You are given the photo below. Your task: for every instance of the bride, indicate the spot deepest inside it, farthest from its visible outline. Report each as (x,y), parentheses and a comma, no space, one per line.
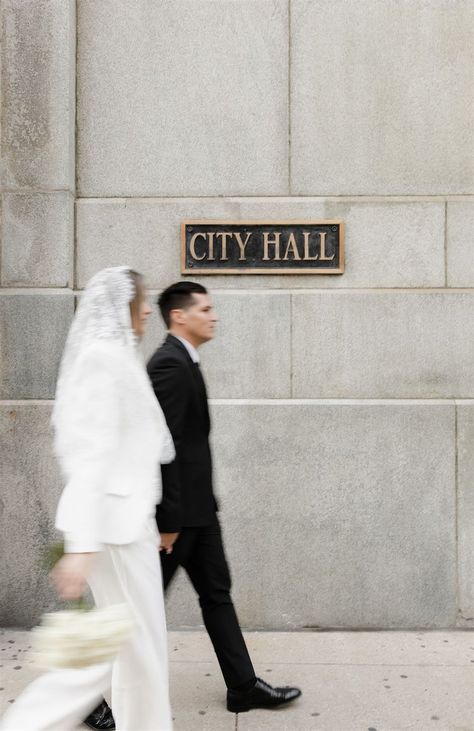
(110,436)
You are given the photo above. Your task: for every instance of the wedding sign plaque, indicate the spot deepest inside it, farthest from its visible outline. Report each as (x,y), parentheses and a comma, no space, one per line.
(262,247)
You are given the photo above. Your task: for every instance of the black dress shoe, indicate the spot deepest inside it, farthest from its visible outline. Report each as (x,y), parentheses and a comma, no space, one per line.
(261,695)
(101,718)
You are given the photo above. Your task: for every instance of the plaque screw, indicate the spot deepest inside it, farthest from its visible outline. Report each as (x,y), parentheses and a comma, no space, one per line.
(190,228)
(334,228)
(191,264)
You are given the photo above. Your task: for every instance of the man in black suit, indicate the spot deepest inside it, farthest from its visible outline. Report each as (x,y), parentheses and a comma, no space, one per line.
(187,516)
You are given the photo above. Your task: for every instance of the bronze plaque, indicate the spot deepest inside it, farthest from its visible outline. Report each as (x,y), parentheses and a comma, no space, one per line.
(262,247)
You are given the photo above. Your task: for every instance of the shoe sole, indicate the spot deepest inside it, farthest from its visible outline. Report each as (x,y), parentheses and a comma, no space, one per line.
(246,709)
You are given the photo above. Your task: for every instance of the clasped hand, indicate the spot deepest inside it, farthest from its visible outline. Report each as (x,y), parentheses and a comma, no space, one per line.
(167,540)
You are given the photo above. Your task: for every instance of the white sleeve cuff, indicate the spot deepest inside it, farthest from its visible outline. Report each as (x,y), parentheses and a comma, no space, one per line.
(74,545)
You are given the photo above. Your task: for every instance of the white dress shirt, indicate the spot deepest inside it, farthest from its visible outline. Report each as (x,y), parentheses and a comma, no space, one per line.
(190,348)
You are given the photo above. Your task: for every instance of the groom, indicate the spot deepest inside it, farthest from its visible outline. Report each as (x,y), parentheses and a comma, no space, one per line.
(187,516)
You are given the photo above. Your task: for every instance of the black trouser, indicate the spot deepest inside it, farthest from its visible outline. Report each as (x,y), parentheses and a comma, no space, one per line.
(201,553)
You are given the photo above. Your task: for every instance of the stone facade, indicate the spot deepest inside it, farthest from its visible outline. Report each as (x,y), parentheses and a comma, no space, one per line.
(343,407)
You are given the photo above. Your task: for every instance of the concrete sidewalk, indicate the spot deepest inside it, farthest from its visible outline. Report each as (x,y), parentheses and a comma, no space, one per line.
(351,681)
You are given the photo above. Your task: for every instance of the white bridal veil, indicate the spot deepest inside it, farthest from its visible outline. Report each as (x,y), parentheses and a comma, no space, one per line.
(102,319)
(103,313)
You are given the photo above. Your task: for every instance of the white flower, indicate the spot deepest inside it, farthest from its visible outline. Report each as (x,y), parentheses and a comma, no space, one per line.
(75,638)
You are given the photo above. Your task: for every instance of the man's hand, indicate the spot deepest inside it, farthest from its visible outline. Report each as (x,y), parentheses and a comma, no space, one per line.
(69,576)
(167,541)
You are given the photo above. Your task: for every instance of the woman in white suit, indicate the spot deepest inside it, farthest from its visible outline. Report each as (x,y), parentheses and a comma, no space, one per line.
(110,436)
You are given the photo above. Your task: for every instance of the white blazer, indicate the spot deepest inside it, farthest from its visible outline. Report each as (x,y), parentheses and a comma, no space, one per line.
(111,436)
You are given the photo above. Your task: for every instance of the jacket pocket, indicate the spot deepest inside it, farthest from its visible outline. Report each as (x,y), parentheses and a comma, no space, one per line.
(118,487)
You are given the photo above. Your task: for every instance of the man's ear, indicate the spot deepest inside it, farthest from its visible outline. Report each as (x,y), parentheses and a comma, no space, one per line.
(177,317)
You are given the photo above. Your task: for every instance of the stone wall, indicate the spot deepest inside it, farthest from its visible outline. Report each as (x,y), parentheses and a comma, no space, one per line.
(343,407)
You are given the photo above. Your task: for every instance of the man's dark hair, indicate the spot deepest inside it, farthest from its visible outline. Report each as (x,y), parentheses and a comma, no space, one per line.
(178,296)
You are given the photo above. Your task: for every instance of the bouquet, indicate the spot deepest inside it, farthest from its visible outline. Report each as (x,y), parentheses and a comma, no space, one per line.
(78,637)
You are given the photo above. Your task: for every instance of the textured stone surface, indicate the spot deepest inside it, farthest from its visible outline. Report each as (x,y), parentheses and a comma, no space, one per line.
(33,329)
(250,355)
(383,345)
(327,506)
(29,468)
(197,695)
(395,689)
(460,242)
(385,698)
(388,244)
(431,647)
(38,239)
(38,93)
(382,96)
(183,98)
(465,521)
(142,233)
(328,512)
(155,330)
(351,487)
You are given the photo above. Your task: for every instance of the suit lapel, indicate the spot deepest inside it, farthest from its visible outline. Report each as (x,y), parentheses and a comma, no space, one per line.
(197,379)
(202,387)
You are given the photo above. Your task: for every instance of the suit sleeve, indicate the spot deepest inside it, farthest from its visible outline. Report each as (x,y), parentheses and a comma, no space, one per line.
(171,387)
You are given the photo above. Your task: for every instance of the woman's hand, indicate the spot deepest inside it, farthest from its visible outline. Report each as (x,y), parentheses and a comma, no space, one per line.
(69,576)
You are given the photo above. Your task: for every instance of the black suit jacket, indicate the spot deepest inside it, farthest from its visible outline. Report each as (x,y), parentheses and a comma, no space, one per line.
(188,498)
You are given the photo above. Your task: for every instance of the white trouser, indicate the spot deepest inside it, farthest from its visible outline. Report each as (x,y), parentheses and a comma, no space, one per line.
(61,699)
